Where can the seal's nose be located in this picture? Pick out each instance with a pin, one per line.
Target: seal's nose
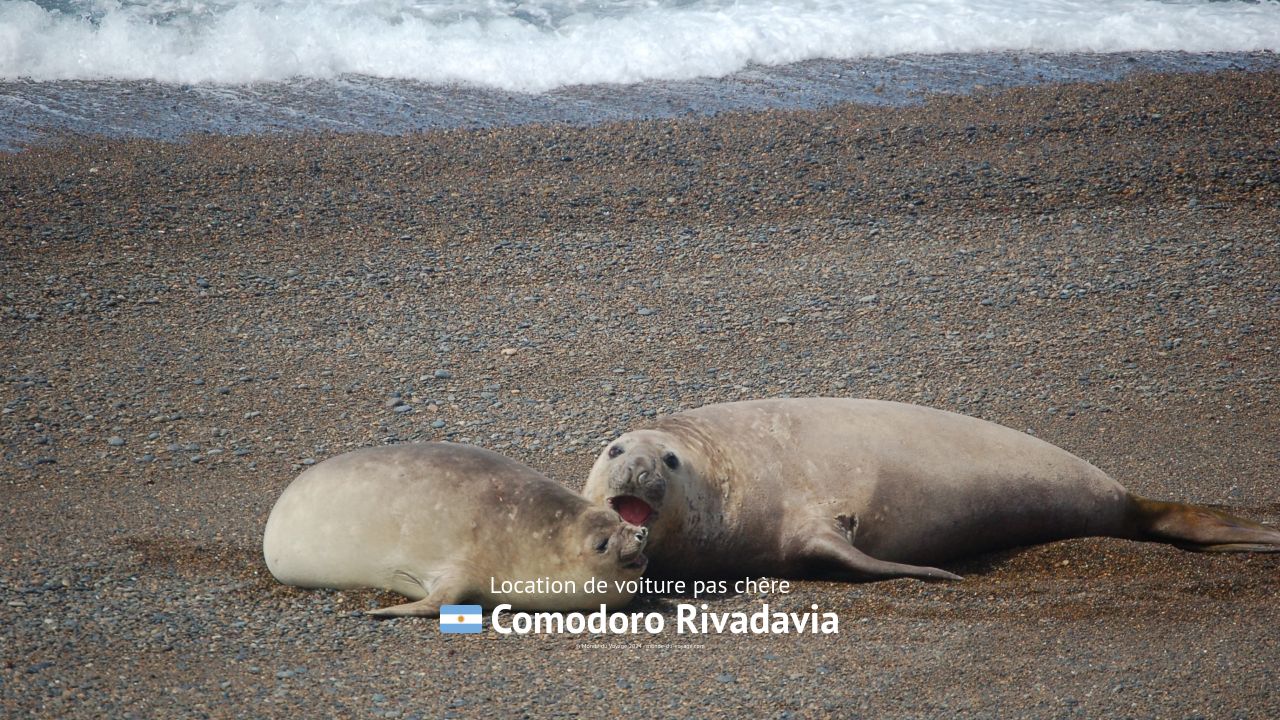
(639, 470)
(642, 534)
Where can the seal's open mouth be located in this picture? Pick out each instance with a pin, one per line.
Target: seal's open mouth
(632, 509)
(638, 563)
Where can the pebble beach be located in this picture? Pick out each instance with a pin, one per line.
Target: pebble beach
(186, 326)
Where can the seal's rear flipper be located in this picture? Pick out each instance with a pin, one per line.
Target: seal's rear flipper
(1200, 529)
(829, 549)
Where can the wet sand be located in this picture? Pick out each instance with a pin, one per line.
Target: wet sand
(35, 113)
(185, 326)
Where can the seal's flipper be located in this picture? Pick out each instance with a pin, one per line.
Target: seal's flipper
(440, 591)
(828, 548)
(426, 607)
(1200, 529)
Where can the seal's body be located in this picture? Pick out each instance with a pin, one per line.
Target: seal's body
(443, 523)
(869, 489)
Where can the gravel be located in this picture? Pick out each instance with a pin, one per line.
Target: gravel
(1095, 264)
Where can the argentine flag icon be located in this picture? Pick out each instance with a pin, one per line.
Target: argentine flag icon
(461, 618)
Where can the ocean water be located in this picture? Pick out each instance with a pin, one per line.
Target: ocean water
(64, 63)
(539, 45)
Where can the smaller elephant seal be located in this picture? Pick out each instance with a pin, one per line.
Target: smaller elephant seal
(868, 489)
(443, 523)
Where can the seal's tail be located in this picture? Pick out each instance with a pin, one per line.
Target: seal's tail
(1201, 529)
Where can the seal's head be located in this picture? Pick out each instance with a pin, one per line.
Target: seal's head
(642, 476)
(597, 544)
(613, 547)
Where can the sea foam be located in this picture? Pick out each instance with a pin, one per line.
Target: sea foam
(543, 44)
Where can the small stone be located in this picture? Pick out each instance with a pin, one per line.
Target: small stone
(115, 441)
(442, 375)
(401, 409)
(437, 424)
(202, 282)
(645, 311)
(509, 351)
(868, 298)
(725, 678)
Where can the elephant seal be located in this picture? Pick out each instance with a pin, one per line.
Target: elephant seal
(868, 489)
(443, 524)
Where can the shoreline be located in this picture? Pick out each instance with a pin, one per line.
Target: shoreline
(186, 325)
(34, 114)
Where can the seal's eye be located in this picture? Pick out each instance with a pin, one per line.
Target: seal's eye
(615, 451)
(602, 545)
(671, 460)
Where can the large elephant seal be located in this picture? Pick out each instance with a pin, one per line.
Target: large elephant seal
(443, 524)
(868, 489)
